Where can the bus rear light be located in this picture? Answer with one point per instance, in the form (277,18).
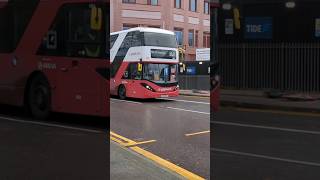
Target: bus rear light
(148,87)
(215,81)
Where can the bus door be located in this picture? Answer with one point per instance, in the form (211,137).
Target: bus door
(78,37)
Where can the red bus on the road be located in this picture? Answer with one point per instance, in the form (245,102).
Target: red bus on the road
(214,65)
(144,63)
(215,86)
(53,56)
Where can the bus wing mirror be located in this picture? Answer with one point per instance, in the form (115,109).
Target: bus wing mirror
(96,18)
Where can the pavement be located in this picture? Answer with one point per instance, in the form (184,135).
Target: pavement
(201,93)
(298,102)
(127,164)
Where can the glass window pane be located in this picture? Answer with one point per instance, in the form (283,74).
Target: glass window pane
(179,36)
(193,5)
(177,4)
(154,2)
(191,38)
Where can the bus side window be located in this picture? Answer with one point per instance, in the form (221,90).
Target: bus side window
(53,42)
(134,73)
(15,17)
(127,72)
(6,29)
(85,39)
(113,39)
(136,39)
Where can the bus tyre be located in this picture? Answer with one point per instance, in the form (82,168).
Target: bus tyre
(122,92)
(39,97)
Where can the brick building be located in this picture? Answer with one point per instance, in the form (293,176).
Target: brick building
(189,19)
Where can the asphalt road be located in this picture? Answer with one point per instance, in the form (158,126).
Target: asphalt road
(62,147)
(168,122)
(265,145)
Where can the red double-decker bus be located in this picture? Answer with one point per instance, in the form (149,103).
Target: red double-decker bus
(53,56)
(144,63)
(214,64)
(215,86)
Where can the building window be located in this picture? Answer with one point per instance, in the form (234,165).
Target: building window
(177,4)
(193,5)
(191,38)
(206,40)
(129,1)
(179,35)
(128,26)
(153,2)
(206,7)
(196,38)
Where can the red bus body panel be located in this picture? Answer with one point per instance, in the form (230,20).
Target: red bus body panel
(215,98)
(215,92)
(80,90)
(134,89)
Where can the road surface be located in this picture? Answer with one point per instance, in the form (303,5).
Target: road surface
(63,147)
(267,145)
(179,127)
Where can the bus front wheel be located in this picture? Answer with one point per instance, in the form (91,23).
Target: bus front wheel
(39,97)
(122,92)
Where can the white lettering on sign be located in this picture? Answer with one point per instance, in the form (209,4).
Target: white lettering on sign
(42,65)
(203,54)
(254,28)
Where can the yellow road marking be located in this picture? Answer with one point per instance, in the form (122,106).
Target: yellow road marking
(197,133)
(139,143)
(164,163)
(279,112)
(167,164)
(125,141)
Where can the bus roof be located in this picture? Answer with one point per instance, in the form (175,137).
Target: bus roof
(145,29)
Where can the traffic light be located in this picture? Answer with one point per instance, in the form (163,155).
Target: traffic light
(236,17)
(181,54)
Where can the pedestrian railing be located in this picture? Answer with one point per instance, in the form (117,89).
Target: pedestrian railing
(197,82)
(280,66)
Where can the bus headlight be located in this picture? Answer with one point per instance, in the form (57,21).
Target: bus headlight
(176,88)
(148,87)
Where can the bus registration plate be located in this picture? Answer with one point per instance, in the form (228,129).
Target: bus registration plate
(164,96)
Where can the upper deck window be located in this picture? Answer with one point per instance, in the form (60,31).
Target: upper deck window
(14,19)
(159,39)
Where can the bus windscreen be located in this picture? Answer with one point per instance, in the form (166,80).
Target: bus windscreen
(160,73)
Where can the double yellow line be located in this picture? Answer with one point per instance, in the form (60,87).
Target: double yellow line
(125,142)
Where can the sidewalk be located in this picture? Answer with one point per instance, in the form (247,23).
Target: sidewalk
(262,100)
(128,165)
(194,93)
(274,100)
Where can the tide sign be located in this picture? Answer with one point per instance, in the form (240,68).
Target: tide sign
(258,28)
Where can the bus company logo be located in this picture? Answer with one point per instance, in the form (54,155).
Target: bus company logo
(135,54)
(42,65)
(165,89)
